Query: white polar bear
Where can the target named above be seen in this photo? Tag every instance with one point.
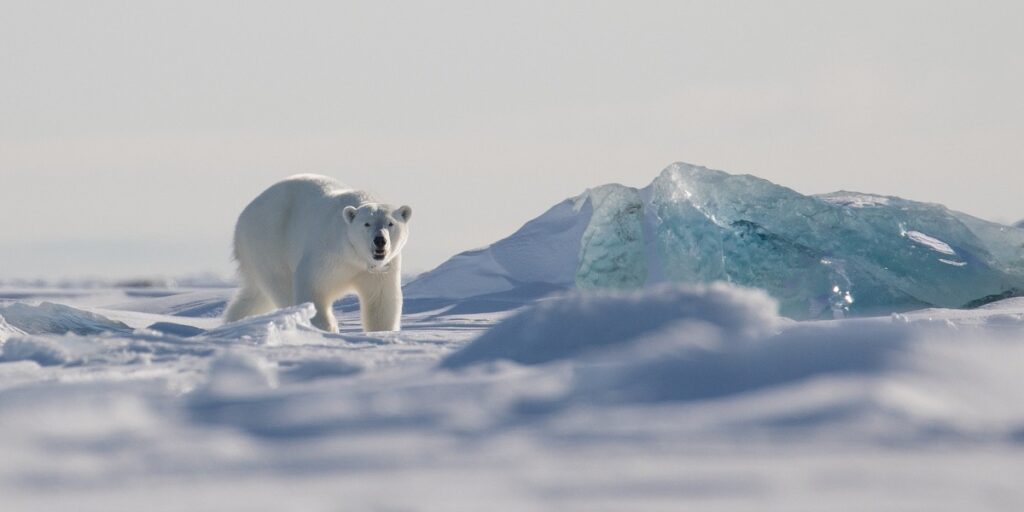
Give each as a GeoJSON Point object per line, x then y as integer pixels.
{"type": "Point", "coordinates": [312, 239]}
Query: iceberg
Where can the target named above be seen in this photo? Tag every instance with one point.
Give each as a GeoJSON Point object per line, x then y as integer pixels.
{"type": "Point", "coordinates": [611, 253]}
{"type": "Point", "coordinates": [820, 256]}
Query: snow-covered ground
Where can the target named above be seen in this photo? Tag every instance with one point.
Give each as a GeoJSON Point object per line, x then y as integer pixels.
{"type": "Point", "coordinates": [664, 399]}
{"type": "Point", "coordinates": [592, 360]}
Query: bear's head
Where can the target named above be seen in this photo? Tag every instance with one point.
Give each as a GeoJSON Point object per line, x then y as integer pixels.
{"type": "Point", "coordinates": [377, 232]}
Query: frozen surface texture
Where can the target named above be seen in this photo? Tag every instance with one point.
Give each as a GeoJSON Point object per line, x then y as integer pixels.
{"type": "Point", "coordinates": [825, 256]}
{"type": "Point", "coordinates": [7, 330]}
{"type": "Point", "coordinates": [612, 247]}
{"type": "Point", "coordinates": [667, 398]}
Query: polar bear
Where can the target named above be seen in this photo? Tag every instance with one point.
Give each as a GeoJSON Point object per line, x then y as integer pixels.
{"type": "Point", "coordinates": [312, 239]}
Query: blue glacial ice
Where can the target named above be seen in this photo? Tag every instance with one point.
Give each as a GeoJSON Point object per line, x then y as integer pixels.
{"type": "Point", "coordinates": [612, 251]}
{"type": "Point", "coordinates": [822, 256]}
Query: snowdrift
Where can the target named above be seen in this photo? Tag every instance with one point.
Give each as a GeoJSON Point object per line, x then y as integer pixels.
{"type": "Point", "coordinates": [704, 380]}
{"type": "Point", "coordinates": [50, 318]}
{"type": "Point", "coordinates": [584, 322]}
{"type": "Point", "coordinates": [917, 376]}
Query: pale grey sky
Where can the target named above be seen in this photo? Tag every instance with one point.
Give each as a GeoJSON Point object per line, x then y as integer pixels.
{"type": "Point", "coordinates": [132, 133]}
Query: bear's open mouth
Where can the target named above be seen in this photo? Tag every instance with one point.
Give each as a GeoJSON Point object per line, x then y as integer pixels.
{"type": "Point", "coordinates": [379, 255]}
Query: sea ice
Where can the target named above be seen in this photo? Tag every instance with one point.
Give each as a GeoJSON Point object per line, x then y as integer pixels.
{"type": "Point", "coordinates": [611, 251]}
{"type": "Point", "coordinates": [825, 256]}
{"type": "Point", "coordinates": [7, 330]}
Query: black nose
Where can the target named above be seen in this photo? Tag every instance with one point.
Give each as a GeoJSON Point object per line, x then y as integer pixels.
{"type": "Point", "coordinates": [379, 242]}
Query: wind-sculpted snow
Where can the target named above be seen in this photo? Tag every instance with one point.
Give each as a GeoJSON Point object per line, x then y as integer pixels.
{"type": "Point", "coordinates": [50, 318]}
{"type": "Point", "coordinates": [274, 328]}
{"type": "Point", "coordinates": [702, 392]}
{"type": "Point", "coordinates": [827, 256]}
{"type": "Point", "coordinates": [202, 304]}
{"type": "Point", "coordinates": [44, 351]}
{"type": "Point", "coordinates": [910, 375]}
{"type": "Point", "coordinates": [581, 322]}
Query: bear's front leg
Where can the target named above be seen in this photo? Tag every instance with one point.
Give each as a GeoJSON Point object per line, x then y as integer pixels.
{"type": "Point", "coordinates": [380, 302]}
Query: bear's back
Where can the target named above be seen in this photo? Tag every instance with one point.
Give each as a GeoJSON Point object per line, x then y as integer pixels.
{"type": "Point", "coordinates": [295, 213]}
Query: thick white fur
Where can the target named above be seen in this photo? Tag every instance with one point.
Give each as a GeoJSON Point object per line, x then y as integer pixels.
{"type": "Point", "coordinates": [310, 238]}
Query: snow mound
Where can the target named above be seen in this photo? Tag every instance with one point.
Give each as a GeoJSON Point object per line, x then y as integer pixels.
{"type": "Point", "coordinates": [692, 385]}
{"type": "Point", "coordinates": [234, 374]}
{"type": "Point", "coordinates": [668, 366]}
{"type": "Point", "coordinates": [896, 381]}
{"type": "Point", "coordinates": [583, 322]}
{"type": "Point", "coordinates": [42, 350]}
{"type": "Point", "coordinates": [279, 327]}
{"type": "Point", "coordinates": [50, 318]}
{"type": "Point", "coordinates": [315, 369]}
{"type": "Point", "coordinates": [821, 257]}
{"type": "Point", "coordinates": [545, 250]}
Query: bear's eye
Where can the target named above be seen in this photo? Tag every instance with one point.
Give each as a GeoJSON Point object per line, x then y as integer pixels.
{"type": "Point", "coordinates": [367, 224]}
{"type": "Point", "coordinates": [391, 224]}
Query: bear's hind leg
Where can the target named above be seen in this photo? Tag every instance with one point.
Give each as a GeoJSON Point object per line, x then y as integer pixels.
{"type": "Point", "coordinates": [306, 291]}
{"type": "Point", "coordinates": [249, 301]}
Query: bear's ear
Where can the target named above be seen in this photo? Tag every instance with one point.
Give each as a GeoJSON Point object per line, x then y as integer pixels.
{"type": "Point", "coordinates": [405, 213]}
{"type": "Point", "coordinates": [350, 214]}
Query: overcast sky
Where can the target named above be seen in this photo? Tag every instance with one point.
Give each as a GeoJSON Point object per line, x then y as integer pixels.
{"type": "Point", "coordinates": [132, 133]}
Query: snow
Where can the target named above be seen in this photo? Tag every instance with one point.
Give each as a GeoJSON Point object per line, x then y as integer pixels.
{"type": "Point", "coordinates": [274, 328]}
{"type": "Point", "coordinates": [630, 349]}
{"type": "Point", "coordinates": [51, 318]}
{"type": "Point", "coordinates": [582, 322]}
{"type": "Point", "coordinates": [41, 350]}
{"type": "Point", "coordinates": [698, 225]}
{"type": "Point", "coordinates": [544, 251]}
{"type": "Point", "coordinates": [658, 399]}
{"type": "Point", "coordinates": [204, 303]}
